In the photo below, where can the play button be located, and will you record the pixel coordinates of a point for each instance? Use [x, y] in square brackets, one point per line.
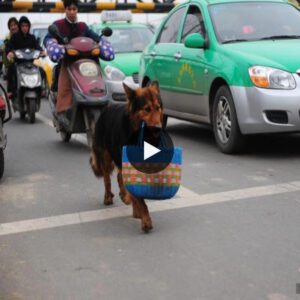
[149, 150]
[153, 152]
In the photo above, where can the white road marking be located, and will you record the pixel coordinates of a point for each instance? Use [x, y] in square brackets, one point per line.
[185, 198]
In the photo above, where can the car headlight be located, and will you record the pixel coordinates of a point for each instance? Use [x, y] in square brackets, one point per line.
[114, 74]
[270, 78]
[30, 80]
[88, 69]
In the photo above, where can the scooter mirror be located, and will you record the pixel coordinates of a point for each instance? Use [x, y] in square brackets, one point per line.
[53, 30]
[107, 31]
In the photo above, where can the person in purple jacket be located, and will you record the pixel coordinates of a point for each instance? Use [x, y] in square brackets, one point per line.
[70, 28]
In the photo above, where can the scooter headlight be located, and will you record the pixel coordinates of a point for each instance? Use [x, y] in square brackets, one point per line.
[114, 74]
[19, 54]
[30, 80]
[88, 69]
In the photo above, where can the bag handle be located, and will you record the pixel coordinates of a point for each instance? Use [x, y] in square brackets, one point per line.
[162, 143]
[141, 137]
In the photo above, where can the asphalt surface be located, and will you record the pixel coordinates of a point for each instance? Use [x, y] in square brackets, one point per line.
[231, 233]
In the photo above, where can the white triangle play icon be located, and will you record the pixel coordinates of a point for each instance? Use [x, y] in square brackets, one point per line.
[149, 150]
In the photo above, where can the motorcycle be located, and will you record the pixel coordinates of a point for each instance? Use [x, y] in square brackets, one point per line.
[88, 87]
[27, 95]
[5, 116]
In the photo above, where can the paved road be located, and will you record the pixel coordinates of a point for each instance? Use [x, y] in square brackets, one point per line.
[231, 233]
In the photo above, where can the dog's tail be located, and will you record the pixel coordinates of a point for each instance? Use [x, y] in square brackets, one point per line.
[95, 162]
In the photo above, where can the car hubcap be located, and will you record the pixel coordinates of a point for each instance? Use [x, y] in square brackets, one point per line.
[223, 120]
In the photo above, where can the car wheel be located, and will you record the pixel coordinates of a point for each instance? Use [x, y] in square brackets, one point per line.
[225, 124]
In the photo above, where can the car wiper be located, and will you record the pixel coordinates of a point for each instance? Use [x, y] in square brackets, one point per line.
[275, 37]
[235, 41]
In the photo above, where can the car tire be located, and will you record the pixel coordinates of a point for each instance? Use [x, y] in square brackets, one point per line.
[225, 124]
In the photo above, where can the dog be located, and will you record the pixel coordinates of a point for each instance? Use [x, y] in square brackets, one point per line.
[118, 125]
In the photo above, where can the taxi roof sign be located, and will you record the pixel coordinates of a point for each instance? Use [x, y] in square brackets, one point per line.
[116, 15]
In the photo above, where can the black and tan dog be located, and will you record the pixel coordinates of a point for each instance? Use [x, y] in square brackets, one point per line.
[118, 126]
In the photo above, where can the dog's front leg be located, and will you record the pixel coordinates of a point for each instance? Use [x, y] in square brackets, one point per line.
[140, 210]
[107, 170]
[124, 195]
[108, 196]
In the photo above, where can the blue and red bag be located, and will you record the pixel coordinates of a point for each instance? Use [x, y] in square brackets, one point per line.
[159, 186]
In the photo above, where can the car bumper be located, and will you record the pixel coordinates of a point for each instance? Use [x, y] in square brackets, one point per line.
[116, 91]
[267, 111]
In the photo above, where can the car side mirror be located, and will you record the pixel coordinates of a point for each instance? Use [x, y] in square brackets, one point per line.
[194, 40]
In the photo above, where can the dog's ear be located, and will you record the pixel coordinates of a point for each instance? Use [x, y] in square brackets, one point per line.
[155, 84]
[129, 92]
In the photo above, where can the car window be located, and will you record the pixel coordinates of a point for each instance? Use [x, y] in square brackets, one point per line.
[126, 40]
[170, 30]
[193, 23]
[254, 21]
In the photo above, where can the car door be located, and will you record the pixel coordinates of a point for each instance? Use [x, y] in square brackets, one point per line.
[191, 64]
[163, 58]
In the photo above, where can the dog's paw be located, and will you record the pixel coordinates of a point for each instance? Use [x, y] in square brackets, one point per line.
[126, 198]
[147, 225]
[108, 199]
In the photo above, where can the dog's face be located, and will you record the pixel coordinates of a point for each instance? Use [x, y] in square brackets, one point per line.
[144, 104]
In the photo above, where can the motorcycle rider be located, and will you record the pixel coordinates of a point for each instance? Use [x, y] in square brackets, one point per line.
[69, 28]
[21, 40]
[13, 26]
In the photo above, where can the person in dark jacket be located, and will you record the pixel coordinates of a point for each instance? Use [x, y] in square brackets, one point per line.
[13, 26]
[69, 28]
[21, 40]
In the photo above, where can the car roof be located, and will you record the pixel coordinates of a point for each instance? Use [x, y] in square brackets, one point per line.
[39, 25]
[119, 24]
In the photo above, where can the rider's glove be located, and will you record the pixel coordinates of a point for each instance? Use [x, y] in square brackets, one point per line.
[55, 51]
[106, 50]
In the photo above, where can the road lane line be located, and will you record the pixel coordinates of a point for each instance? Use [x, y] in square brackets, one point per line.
[185, 198]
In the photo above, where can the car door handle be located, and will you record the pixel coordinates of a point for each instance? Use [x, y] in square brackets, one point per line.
[153, 53]
[177, 55]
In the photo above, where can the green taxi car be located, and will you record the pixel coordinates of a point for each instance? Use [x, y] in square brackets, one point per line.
[233, 64]
[128, 41]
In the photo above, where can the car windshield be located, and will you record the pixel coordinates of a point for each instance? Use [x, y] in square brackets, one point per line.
[126, 40]
[252, 21]
[40, 33]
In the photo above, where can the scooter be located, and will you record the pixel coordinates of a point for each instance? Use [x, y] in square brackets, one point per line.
[5, 116]
[27, 96]
[88, 87]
